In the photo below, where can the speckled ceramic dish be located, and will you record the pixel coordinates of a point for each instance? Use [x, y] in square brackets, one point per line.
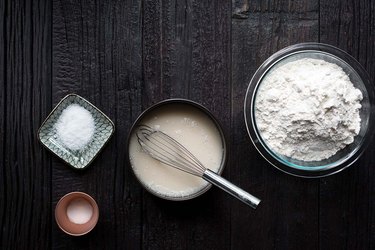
[78, 159]
[62, 218]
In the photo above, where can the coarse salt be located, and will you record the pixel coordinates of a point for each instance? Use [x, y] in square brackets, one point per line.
[75, 127]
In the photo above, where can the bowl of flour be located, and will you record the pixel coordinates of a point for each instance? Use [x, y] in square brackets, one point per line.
[309, 110]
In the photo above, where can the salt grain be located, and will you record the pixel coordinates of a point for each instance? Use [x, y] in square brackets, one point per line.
[75, 127]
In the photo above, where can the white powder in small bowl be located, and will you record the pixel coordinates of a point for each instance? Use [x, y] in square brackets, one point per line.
[75, 127]
[79, 211]
[308, 109]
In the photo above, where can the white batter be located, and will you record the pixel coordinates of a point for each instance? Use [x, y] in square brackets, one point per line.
[193, 129]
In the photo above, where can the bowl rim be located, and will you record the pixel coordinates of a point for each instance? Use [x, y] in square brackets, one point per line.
[205, 111]
[92, 105]
[275, 58]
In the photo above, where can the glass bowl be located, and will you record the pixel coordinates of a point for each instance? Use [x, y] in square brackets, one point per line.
[360, 79]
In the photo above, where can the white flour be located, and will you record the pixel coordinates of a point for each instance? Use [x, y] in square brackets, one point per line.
[308, 109]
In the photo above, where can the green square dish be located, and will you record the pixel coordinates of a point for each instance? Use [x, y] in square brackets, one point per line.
[78, 159]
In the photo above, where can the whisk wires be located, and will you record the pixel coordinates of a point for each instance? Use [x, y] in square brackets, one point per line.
[167, 150]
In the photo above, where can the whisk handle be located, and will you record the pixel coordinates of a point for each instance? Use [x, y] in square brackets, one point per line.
[230, 188]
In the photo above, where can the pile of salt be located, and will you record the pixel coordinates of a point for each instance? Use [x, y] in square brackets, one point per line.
[75, 127]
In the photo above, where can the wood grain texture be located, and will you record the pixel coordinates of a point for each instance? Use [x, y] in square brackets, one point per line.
[124, 56]
[97, 54]
[288, 216]
[347, 200]
[25, 101]
[186, 49]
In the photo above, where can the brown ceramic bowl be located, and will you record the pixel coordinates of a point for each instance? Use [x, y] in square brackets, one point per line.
[62, 218]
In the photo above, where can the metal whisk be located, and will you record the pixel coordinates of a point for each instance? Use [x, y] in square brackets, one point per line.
[167, 150]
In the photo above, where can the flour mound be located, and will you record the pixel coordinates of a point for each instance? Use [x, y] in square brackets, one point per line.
[308, 109]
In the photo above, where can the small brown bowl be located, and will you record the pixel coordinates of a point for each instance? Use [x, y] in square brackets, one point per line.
[63, 220]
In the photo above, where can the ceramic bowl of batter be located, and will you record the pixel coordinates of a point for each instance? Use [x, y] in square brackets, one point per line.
[177, 118]
[344, 157]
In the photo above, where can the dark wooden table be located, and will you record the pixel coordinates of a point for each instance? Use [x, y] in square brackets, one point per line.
[124, 56]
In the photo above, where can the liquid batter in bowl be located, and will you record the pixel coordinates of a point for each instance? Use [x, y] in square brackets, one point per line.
[194, 129]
